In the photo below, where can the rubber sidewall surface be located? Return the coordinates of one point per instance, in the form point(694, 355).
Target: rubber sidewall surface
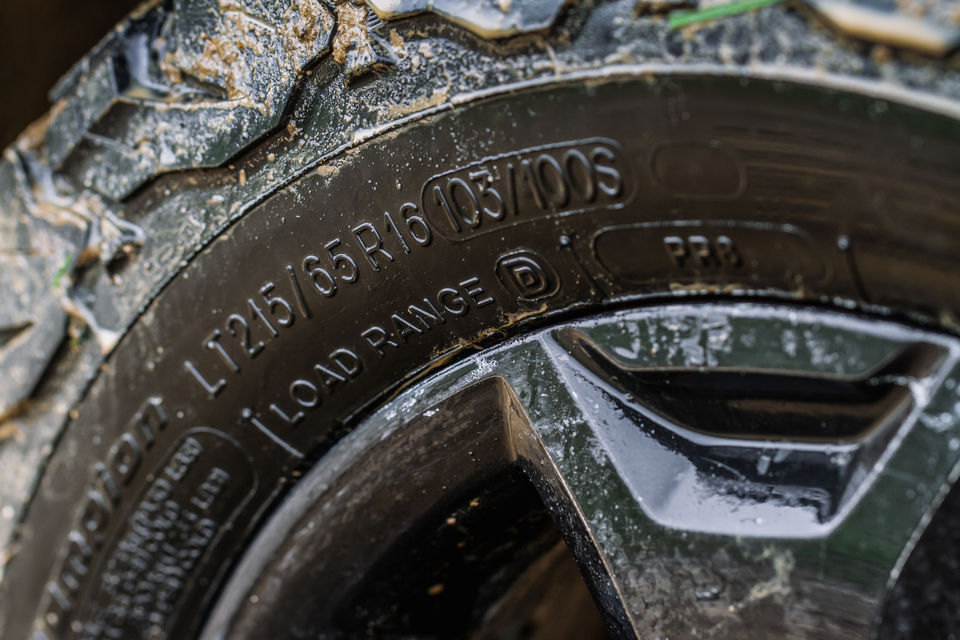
point(445, 234)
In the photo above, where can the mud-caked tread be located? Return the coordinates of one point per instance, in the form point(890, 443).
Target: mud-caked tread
point(182, 86)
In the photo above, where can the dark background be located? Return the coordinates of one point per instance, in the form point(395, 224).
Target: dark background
point(39, 41)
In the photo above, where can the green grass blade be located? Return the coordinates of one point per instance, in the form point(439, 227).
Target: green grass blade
point(683, 18)
point(62, 271)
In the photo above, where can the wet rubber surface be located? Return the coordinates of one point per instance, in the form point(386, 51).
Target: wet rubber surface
point(445, 234)
point(681, 528)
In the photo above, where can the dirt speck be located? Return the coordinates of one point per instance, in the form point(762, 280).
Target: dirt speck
point(881, 54)
point(327, 170)
point(351, 30)
point(438, 97)
point(9, 430)
point(398, 44)
point(304, 21)
point(511, 319)
point(292, 130)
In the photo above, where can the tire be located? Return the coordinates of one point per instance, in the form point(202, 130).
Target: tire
point(243, 235)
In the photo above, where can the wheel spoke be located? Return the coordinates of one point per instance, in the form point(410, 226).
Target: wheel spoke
point(743, 472)
point(719, 471)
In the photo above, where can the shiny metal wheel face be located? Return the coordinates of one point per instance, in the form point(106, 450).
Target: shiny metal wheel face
point(716, 470)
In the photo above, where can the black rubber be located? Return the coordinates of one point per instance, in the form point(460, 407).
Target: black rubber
point(252, 261)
